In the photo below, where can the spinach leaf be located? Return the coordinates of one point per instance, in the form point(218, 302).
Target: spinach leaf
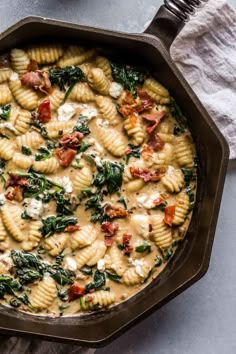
point(60, 275)
point(24, 215)
point(190, 194)
point(65, 76)
point(114, 277)
point(5, 111)
point(128, 76)
point(28, 275)
point(15, 302)
point(82, 125)
point(123, 201)
point(8, 286)
point(189, 175)
point(64, 205)
point(26, 150)
point(158, 261)
point(83, 147)
point(181, 120)
point(63, 294)
point(99, 280)
point(145, 246)
point(39, 127)
point(86, 270)
point(2, 164)
point(110, 174)
point(44, 154)
point(133, 151)
point(94, 203)
point(54, 224)
point(161, 206)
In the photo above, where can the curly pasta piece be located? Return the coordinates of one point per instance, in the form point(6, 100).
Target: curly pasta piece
point(184, 151)
point(30, 139)
point(135, 129)
point(34, 236)
point(82, 93)
point(22, 122)
point(5, 74)
point(98, 81)
point(182, 208)
point(112, 140)
point(158, 92)
point(173, 180)
point(5, 95)
point(19, 61)
point(83, 256)
point(45, 54)
point(75, 55)
point(136, 275)
point(22, 161)
point(3, 233)
point(86, 67)
point(162, 158)
point(134, 186)
point(55, 244)
point(100, 252)
point(118, 263)
point(104, 64)
point(43, 294)
point(161, 233)
point(11, 216)
point(56, 99)
point(107, 109)
point(82, 179)
point(47, 166)
point(7, 149)
point(56, 129)
point(98, 299)
point(83, 237)
point(25, 96)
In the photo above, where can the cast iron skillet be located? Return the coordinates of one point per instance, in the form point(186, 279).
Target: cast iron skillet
point(192, 259)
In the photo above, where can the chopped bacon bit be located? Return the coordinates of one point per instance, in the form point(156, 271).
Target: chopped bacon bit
point(38, 80)
point(72, 228)
point(114, 211)
point(169, 215)
point(147, 152)
point(155, 142)
point(110, 227)
point(128, 249)
point(126, 243)
point(15, 194)
point(146, 174)
point(65, 156)
point(147, 101)
point(72, 140)
point(125, 110)
point(15, 180)
point(128, 99)
point(75, 292)
point(33, 65)
point(44, 112)
point(158, 201)
point(155, 118)
point(133, 120)
point(109, 240)
point(126, 238)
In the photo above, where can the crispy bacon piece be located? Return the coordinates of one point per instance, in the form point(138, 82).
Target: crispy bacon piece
point(109, 240)
point(75, 292)
point(33, 65)
point(38, 79)
point(147, 152)
point(44, 112)
point(155, 142)
point(147, 101)
point(126, 238)
point(15, 194)
point(114, 211)
point(146, 174)
point(158, 201)
point(154, 118)
point(110, 227)
point(15, 180)
point(126, 243)
point(128, 106)
point(65, 156)
point(72, 140)
point(169, 215)
point(72, 228)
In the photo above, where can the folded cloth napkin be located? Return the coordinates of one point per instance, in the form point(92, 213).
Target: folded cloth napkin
point(205, 53)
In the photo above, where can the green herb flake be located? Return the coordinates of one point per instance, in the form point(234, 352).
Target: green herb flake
point(128, 76)
point(54, 224)
point(114, 277)
point(26, 150)
point(133, 151)
point(189, 175)
point(144, 247)
point(181, 120)
point(99, 280)
point(82, 125)
point(44, 154)
point(5, 111)
point(190, 194)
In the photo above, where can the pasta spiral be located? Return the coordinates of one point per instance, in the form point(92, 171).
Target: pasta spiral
point(98, 299)
point(7, 149)
point(56, 99)
point(55, 244)
point(5, 95)
point(98, 81)
point(104, 64)
point(56, 129)
point(182, 208)
point(45, 54)
point(22, 122)
point(183, 151)
point(132, 277)
point(161, 233)
point(25, 96)
point(34, 236)
point(43, 294)
point(3, 233)
point(83, 256)
point(11, 217)
point(5, 74)
point(158, 92)
point(30, 139)
point(22, 161)
point(75, 55)
point(100, 252)
point(19, 60)
point(118, 262)
point(83, 179)
point(112, 140)
point(107, 109)
point(173, 180)
point(83, 237)
point(135, 129)
point(47, 166)
point(82, 93)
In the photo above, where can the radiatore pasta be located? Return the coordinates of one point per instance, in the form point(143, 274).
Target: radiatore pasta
point(98, 179)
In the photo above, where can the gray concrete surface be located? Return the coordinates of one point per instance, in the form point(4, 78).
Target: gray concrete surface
point(203, 318)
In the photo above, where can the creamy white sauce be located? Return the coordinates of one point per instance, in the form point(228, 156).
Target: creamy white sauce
point(89, 112)
point(65, 182)
point(65, 112)
point(70, 264)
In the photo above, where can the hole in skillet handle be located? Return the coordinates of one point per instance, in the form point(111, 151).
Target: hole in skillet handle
point(170, 19)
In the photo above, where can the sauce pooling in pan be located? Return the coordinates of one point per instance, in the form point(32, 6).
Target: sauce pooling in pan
point(98, 180)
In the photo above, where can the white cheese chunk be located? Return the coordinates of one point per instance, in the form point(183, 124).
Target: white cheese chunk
point(14, 76)
point(89, 112)
point(2, 199)
point(115, 89)
point(140, 224)
point(65, 112)
point(101, 265)
point(70, 264)
point(66, 183)
point(147, 202)
point(7, 125)
point(138, 264)
point(35, 209)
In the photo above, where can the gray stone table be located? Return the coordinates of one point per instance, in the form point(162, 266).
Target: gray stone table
point(203, 318)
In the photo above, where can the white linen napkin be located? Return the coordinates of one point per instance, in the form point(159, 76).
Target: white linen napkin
point(205, 53)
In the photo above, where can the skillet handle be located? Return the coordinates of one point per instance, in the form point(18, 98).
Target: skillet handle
point(171, 17)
